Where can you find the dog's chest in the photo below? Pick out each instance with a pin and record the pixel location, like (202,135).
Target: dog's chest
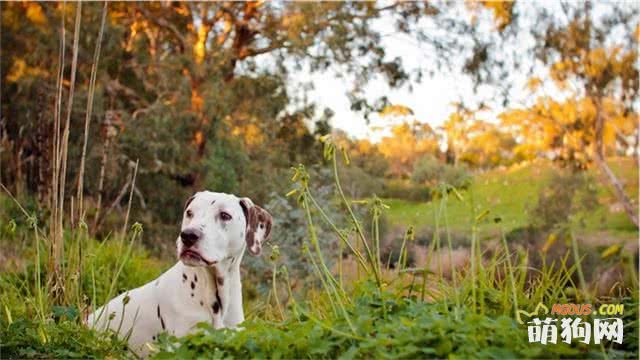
(198,290)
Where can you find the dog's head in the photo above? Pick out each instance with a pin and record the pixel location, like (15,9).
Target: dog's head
(216,226)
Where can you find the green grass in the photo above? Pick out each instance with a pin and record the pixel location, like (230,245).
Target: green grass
(511,193)
(391,328)
(33,326)
(382,313)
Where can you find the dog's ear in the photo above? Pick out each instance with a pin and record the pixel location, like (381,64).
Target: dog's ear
(258,225)
(189,200)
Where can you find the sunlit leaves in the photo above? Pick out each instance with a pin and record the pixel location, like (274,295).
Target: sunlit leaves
(564,130)
(502,12)
(407,143)
(396,110)
(20,69)
(35,14)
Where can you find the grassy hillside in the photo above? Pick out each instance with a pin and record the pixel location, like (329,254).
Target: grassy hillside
(511,193)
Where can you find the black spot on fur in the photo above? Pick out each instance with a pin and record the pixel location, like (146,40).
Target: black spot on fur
(216,307)
(160,317)
(201,303)
(195,277)
(191,294)
(218,300)
(184,277)
(193,285)
(153,337)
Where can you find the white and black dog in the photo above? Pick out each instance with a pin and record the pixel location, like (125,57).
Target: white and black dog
(204,286)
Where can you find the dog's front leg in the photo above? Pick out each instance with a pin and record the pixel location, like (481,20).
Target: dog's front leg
(230,295)
(235,313)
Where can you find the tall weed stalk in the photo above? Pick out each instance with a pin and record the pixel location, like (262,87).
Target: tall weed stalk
(505,275)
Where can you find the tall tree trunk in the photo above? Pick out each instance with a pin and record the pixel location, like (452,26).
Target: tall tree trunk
(599,158)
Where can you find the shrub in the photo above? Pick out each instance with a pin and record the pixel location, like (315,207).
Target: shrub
(402,189)
(432,171)
(357,183)
(427,169)
(457,176)
(568,193)
(290,232)
(223,166)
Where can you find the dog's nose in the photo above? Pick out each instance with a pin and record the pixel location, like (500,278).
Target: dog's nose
(190,236)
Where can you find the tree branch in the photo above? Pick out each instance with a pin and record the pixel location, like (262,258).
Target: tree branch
(184,44)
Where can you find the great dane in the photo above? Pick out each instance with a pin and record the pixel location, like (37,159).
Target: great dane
(204,285)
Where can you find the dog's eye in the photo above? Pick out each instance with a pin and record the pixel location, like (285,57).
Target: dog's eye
(189,214)
(225,216)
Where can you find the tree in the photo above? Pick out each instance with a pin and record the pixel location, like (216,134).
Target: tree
(487,145)
(590,57)
(176,79)
(407,143)
(363,154)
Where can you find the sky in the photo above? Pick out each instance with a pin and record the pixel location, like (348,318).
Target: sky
(431,100)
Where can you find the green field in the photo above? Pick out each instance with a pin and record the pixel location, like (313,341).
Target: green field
(511,193)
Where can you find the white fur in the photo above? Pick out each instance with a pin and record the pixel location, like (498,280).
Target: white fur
(182,303)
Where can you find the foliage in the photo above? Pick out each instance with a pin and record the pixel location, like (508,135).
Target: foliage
(477,143)
(470,313)
(470,317)
(565,129)
(407,143)
(292,233)
(190,90)
(427,170)
(589,53)
(403,189)
(224,166)
(431,171)
(207,95)
(359,184)
(65,339)
(363,154)
(33,327)
(566,195)
(397,328)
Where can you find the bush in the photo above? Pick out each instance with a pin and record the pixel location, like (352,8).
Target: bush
(431,171)
(427,169)
(290,232)
(223,166)
(567,194)
(457,176)
(357,183)
(402,189)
